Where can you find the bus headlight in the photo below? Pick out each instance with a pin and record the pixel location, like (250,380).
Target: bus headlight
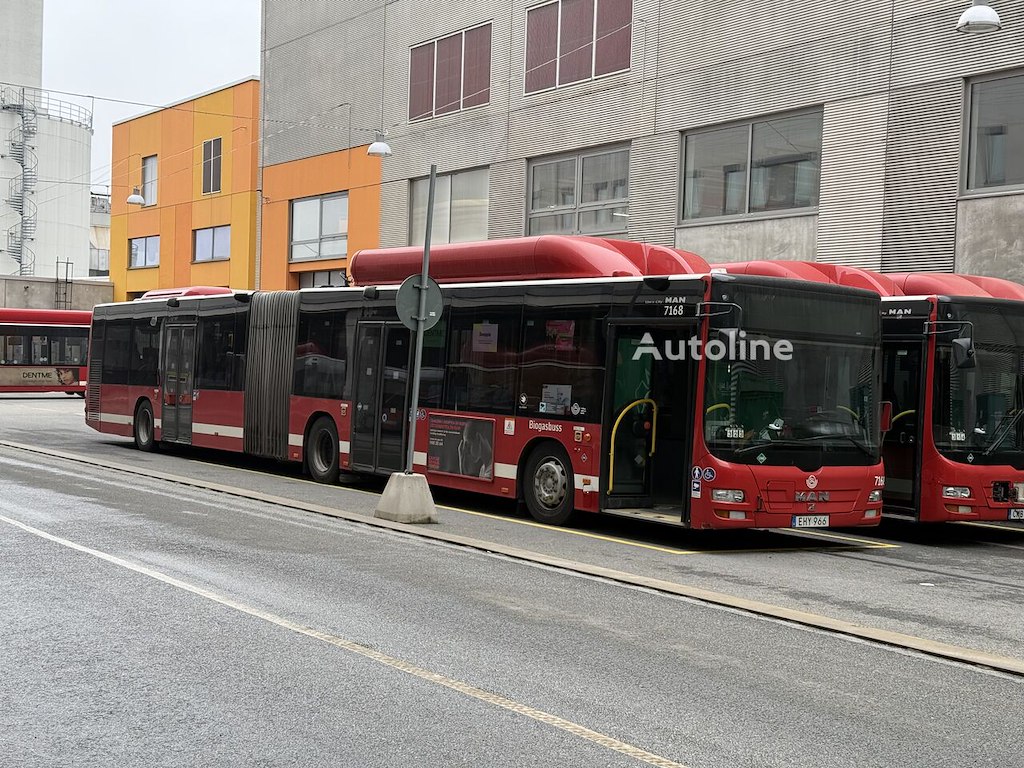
(875,495)
(956,492)
(723,494)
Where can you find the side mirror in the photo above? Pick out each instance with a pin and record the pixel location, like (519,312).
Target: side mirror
(963,352)
(886,420)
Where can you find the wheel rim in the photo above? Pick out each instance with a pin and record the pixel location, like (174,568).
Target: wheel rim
(145,427)
(323,453)
(549,483)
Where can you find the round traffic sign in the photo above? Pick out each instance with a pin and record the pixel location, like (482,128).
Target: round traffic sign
(408,302)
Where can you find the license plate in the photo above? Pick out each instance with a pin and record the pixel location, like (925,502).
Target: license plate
(810,521)
(1016,514)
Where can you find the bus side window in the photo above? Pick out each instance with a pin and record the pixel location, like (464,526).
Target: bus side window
(563,364)
(145,353)
(116,352)
(483,359)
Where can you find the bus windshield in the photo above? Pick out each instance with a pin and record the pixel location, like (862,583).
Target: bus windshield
(978,416)
(807,394)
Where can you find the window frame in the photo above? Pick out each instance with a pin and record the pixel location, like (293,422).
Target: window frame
(578,206)
(558,49)
(416,240)
(146,243)
(149,185)
(213,244)
(215,163)
(462,74)
(747,214)
(967,145)
(321,239)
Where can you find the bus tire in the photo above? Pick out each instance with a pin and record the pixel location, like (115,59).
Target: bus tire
(322,450)
(549,488)
(142,427)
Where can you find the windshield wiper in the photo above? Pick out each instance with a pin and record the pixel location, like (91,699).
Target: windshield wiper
(851,438)
(998,436)
(785,443)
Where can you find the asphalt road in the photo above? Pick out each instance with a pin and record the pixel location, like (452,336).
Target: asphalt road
(957,584)
(144,622)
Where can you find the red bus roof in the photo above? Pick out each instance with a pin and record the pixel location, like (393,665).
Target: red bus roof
(45,316)
(195,290)
(817,272)
(946,284)
(524,258)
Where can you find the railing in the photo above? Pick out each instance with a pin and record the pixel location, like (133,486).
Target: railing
(42,104)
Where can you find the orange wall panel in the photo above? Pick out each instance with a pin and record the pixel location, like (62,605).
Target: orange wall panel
(347,170)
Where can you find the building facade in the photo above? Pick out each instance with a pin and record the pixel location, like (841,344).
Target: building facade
(876,136)
(192,167)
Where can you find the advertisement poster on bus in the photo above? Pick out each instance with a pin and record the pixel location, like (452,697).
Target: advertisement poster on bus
(37,376)
(461,445)
(562,333)
(485,337)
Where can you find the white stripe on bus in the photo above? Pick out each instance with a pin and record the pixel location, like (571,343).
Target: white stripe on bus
(506,471)
(115,418)
(217,430)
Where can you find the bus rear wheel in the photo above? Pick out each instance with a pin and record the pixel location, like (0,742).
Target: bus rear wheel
(142,427)
(322,450)
(549,487)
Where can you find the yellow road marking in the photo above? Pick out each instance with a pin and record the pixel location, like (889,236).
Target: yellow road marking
(383,659)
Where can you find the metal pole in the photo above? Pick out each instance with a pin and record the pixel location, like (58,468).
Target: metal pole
(421,316)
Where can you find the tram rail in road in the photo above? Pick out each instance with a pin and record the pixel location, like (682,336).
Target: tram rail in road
(947,651)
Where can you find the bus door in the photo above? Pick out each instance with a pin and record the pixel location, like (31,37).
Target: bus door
(902,379)
(179,369)
(649,434)
(380,421)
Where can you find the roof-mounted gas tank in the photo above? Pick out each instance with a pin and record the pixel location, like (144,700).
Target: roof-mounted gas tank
(546,257)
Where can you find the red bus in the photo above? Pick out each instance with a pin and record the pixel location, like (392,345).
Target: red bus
(572,393)
(953,366)
(43,350)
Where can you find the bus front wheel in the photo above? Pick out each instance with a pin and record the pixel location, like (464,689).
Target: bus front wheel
(322,450)
(548,485)
(142,428)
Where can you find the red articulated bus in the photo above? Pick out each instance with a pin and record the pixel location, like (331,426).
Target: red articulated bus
(953,367)
(565,375)
(43,350)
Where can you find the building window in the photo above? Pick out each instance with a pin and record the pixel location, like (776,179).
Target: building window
(568,41)
(211,244)
(149,180)
(327,278)
(211,166)
(581,194)
(996,136)
(320,227)
(756,167)
(450,74)
(144,252)
(460,207)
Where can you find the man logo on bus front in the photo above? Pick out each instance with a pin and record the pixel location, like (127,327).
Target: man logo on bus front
(812,482)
